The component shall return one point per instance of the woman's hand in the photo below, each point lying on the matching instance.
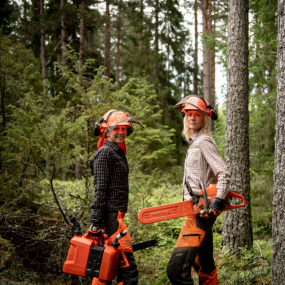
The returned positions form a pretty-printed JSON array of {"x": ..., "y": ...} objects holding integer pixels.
[{"x": 217, "y": 207}]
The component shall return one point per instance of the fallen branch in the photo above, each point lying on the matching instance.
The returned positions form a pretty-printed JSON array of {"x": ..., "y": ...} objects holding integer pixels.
[{"x": 260, "y": 273}]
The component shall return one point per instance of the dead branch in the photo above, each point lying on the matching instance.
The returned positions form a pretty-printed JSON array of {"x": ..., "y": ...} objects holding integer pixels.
[
  {"x": 56, "y": 47},
  {"x": 260, "y": 273}
]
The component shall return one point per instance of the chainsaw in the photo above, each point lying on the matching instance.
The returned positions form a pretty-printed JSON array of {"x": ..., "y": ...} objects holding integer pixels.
[
  {"x": 96, "y": 256},
  {"x": 199, "y": 205}
]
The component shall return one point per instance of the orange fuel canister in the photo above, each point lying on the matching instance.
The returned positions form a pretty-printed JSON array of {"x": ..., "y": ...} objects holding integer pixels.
[
  {"x": 88, "y": 257},
  {"x": 77, "y": 257},
  {"x": 109, "y": 262}
]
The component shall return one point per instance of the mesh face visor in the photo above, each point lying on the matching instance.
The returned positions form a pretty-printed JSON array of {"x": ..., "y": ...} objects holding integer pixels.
[
  {"x": 120, "y": 117},
  {"x": 192, "y": 100}
]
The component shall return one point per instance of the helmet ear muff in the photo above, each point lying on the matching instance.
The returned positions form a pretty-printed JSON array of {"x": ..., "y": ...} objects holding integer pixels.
[
  {"x": 130, "y": 130},
  {"x": 96, "y": 129},
  {"x": 214, "y": 112}
]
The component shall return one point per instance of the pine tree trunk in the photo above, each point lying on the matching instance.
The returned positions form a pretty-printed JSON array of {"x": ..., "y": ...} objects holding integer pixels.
[
  {"x": 237, "y": 224},
  {"x": 2, "y": 89},
  {"x": 278, "y": 221},
  {"x": 206, "y": 53},
  {"x": 155, "y": 72},
  {"x": 196, "y": 50},
  {"x": 107, "y": 41},
  {"x": 212, "y": 66},
  {"x": 43, "y": 45},
  {"x": 82, "y": 40},
  {"x": 141, "y": 34},
  {"x": 63, "y": 33},
  {"x": 118, "y": 44}
]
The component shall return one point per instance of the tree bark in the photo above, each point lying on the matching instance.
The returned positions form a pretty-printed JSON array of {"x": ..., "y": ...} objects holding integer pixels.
[
  {"x": 107, "y": 41},
  {"x": 43, "y": 44},
  {"x": 195, "y": 81},
  {"x": 237, "y": 224},
  {"x": 206, "y": 53},
  {"x": 118, "y": 44},
  {"x": 212, "y": 66},
  {"x": 155, "y": 71},
  {"x": 63, "y": 33},
  {"x": 142, "y": 24},
  {"x": 3, "y": 100},
  {"x": 82, "y": 39},
  {"x": 278, "y": 221}
]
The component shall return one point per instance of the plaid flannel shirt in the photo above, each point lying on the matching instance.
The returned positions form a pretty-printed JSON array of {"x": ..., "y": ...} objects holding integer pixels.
[
  {"x": 203, "y": 163},
  {"x": 111, "y": 183}
]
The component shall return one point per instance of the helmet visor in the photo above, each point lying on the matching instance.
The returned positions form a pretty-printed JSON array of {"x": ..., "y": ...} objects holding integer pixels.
[
  {"x": 120, "y": 117},
  {"x": 191, "y": 102}
]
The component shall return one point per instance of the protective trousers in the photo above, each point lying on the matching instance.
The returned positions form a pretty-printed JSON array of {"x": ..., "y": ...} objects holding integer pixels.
[
  {"x": 195, "y": 242},
  {"x": 127, "y": 273}
]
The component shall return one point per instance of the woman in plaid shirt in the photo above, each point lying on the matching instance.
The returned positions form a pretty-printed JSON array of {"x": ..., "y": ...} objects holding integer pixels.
[
  {"x": 111, "y": 185},
  {"x": 194, "y": 247}
]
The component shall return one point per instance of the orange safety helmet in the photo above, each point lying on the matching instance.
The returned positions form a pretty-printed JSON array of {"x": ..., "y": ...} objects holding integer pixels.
[
  {"x": 195, "y": 102},
  {"x": 110, "y": 120}
]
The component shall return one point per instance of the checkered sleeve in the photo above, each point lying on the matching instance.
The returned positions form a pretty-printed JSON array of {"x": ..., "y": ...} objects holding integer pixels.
[
  {"x": 210, "y": 153},
  {"x": 102, "y": 171}
]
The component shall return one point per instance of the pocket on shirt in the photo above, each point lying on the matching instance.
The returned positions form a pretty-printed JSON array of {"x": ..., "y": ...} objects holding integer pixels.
[{"x": 192, "y": 157}]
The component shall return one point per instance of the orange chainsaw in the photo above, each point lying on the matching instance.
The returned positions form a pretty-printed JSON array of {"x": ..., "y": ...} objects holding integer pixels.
[{"x": 199, "y": 205}]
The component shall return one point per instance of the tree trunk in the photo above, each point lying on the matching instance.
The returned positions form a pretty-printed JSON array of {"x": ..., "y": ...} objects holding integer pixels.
[
  {"x": 155, "y": 71},
  {"x": 25, "y": 7},
  {"x": 212, "y": 66},
  {"x": 278, "y": 220},
  {"x": 63, "y": 33},
  {"x": 3, "y": 100},
  {"x": 237, "y": 224},
  {"x": 82, "y": 40},
  {"x": 196, "y": 50},
  {"x": 206, "y": 53},
  {"x": 142, "y": 24},
  {"x": 107, "y": 41},
  {"x": 118, "y": 44},
  {"x": 43, "y": 44}
]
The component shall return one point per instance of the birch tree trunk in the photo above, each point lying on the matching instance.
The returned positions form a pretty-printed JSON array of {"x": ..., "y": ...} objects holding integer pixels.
[
  {"x": 107, "y": 41},
  {"x": 63, "y": 33},
  {"x": 195, "y": 81},
  {"x": 237, "y": 224},
  {"x": 278, "y": 220}
]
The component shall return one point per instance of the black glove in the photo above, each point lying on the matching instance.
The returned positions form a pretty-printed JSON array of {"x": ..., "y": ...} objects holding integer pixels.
[
  {"x": 217, "y": 207},
  {"x": 96, "y": 228}
]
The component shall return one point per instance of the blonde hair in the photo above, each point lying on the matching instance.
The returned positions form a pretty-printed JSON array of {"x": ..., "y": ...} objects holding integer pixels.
[{"x": 204, "y": 130}]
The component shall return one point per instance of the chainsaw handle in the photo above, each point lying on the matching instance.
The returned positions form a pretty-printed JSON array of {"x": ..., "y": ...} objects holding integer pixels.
[
  {"x": 204, "y": 195},
  {"x": 236, "y": 195}
]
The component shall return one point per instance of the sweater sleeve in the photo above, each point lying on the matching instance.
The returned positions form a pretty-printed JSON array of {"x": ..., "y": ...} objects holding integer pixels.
[{"x": 210, "y": 153}]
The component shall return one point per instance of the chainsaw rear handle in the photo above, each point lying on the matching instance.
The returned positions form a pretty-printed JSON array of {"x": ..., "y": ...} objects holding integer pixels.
[
  {"x": 236, "y": 195},
  {"x": 204, "y": 195}
]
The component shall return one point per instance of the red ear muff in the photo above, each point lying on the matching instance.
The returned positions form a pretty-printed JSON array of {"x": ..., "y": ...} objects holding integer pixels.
[{"x": 214, "y": 115}]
